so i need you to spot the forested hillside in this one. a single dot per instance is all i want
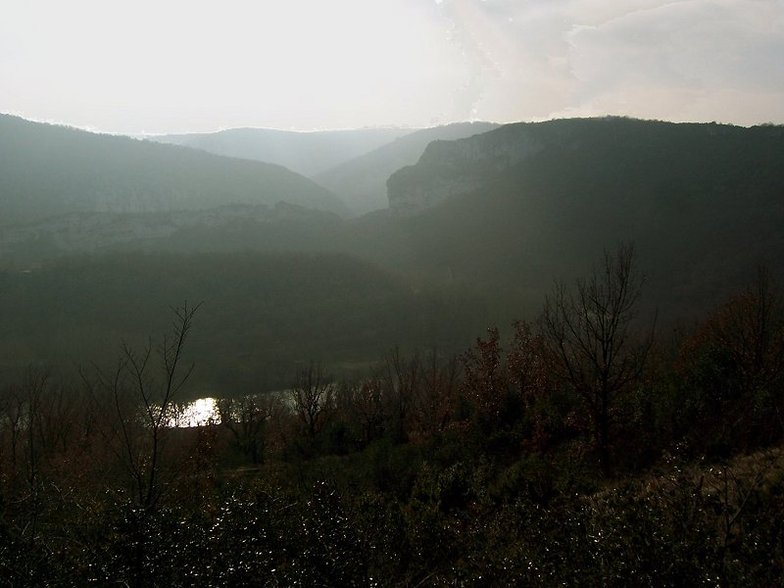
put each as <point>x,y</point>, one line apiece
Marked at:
<point>526,203</point>
<point>47,170</point>
<point>262,315</point>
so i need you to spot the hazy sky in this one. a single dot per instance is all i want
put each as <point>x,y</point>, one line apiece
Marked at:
<point>190,65</point>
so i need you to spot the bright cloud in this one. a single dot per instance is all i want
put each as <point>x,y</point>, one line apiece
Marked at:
<point>186,65</point>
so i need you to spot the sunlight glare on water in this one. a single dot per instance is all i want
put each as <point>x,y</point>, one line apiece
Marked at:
<point>197,413</point>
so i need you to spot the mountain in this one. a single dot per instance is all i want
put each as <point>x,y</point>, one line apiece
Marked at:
<point>517,206</point>
<point>307,153</point>
<point>497,216</point>
<point>48,170</point>
<point>450,167</point>
<point>361,182</point>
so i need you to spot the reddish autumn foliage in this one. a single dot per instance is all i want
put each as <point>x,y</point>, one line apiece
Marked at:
<point>732,368</point>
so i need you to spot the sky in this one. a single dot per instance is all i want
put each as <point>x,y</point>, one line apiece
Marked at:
<point>158,66</point>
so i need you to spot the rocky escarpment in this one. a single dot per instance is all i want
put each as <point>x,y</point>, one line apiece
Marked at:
<point>361,182</point>
<point>450,168</point>
<point>653,153</point>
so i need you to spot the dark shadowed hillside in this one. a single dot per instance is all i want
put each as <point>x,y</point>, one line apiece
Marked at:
<point>47,170</point>
<point>520,205</point>
<point>262,315</point>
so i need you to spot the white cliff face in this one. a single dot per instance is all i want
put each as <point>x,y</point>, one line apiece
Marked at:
<point>498,149</point>
<point>450,168</point>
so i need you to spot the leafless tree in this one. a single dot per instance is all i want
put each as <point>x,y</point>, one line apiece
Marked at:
<point>485,378</point>
<point>246,418</point>
<point>140,394</point>
<point>12,423</point>
<point>750,328</point>
<point>21,459</point>
<point>735,363</point>
<point>363,403</point>
<point>404,378</point>
<point>436,397</point>
<point>313,397</point>
<point>589,331</point>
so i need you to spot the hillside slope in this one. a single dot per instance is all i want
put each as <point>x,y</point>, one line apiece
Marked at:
<point>261,317</point>
<point>307,153</point>
<point>361,182</point>
<point>528,202</point>
<point>47,170</point>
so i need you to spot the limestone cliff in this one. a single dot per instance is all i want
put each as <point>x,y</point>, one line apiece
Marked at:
<point>450,168</point>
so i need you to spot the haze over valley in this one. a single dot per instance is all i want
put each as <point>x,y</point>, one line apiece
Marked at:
<point>486,220</point>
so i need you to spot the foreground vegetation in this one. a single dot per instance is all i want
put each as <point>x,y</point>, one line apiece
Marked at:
<point>580,451</point>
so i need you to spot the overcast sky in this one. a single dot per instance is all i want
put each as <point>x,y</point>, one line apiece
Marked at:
<point>189,65</point>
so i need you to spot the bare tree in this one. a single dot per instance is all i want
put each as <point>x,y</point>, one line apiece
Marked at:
<point>589,332</point>
<point>140,397</point>
<point>246,418</point>
<point>436,398</point>
<point>20,476</point>
<point>485,378</point>
<point>13,416</point>
<point>750,328</point>
<point>363,403</point>
<point>404,379</point>
<point>313,397</point>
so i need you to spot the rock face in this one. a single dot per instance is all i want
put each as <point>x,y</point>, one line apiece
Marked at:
<point>601,145</point>
<point>361,182</point>
<point>451,168</point>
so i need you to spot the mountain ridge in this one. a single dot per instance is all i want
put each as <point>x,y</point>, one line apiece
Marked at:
<point>305,152</point>
<point>702,202</point>
<point>48,170</point>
